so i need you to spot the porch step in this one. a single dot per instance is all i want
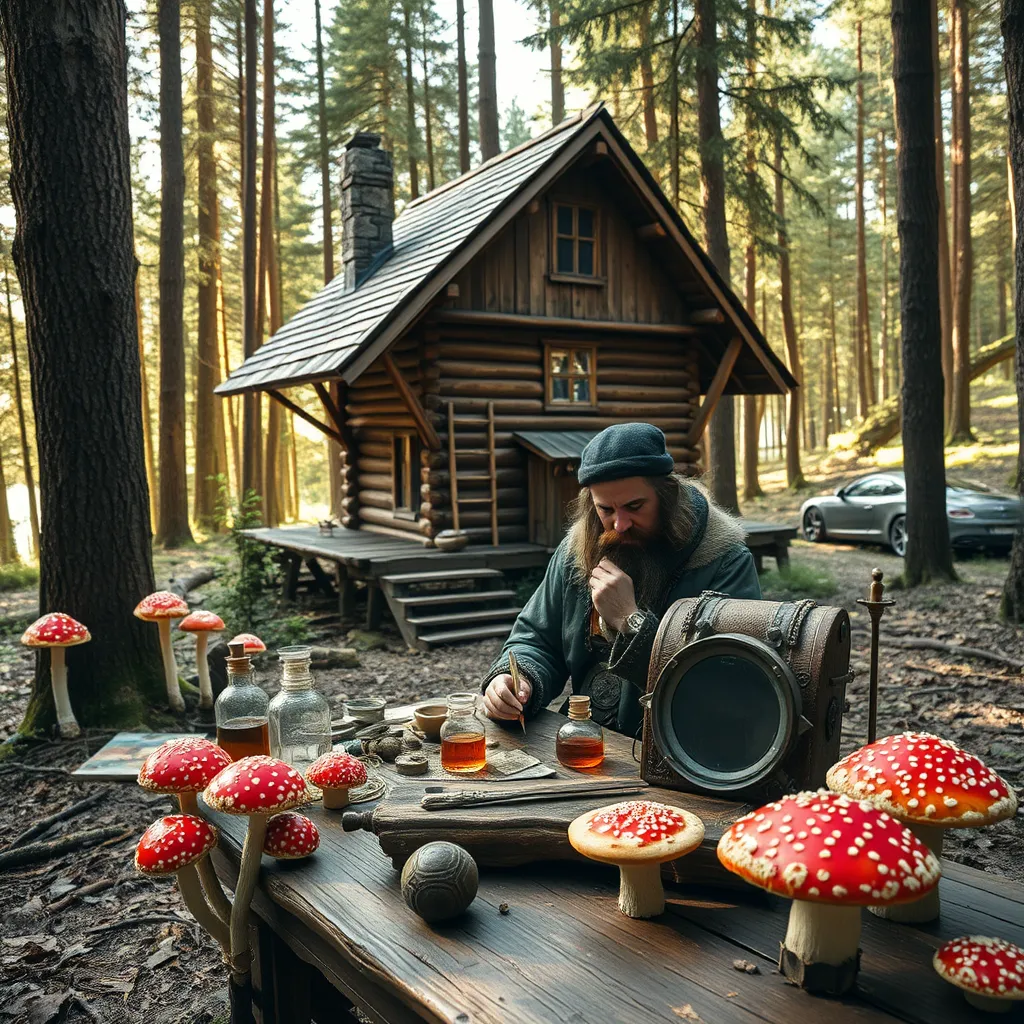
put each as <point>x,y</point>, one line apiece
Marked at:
<point>477,616</point>
<point>458,597</point>
<point>456,635</point>
<point>443,576</point>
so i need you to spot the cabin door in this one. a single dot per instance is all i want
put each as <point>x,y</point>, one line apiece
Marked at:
<point>552,487</point>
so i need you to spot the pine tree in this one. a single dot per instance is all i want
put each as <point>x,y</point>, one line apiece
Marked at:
<point>488,104</point>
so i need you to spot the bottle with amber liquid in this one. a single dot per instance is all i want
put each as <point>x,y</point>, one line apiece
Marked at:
<point>463,740</point>
<point>241,711</point>
<point>580,741</point>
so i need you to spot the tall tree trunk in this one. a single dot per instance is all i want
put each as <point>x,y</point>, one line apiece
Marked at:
<point>411,142</point>
<point>235,461</point>
<point>865,364</point>
<point>557,87</point>
<point>174,529</point>
<point>8,549</point>
<point>960,157</point>
<point>325,154</point>
<point>945,280</point>
<point>647,77</point>
<point>917,213</point>
<point>210,461</point>
<point>19,404</point>
<point>463,87</point>
<point>252,455</point>
<point>147,417</point>
<point>884,369</point>
<point>490,144</point>
<point>673,124</point>
<point>427,124</point>
<point>71,185</point>
<point>1013,61</point>
<point>721,430</point>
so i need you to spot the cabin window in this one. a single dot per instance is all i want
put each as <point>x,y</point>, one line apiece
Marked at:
<point>405,487</point>
<point>575,240</point>
<point>571,375</point>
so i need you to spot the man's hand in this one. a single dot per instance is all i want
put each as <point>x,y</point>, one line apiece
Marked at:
<point>500,700</point>
<point>611,590</point>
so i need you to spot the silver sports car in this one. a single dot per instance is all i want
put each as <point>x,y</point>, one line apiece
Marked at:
<point>873,508</point>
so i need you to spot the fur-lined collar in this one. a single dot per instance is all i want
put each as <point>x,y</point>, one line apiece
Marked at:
<point>722,532</point>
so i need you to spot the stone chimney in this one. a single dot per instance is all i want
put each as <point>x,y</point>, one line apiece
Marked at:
<point>367,205</point>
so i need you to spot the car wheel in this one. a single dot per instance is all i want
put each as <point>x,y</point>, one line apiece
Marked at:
<point>814,525</point>
<point>898,535</point>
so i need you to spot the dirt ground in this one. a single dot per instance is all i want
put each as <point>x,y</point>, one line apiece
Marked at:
<point>84,938</point>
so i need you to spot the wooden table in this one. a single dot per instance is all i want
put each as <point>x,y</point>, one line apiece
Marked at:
<point>771,539</point>
<point>333,932</point>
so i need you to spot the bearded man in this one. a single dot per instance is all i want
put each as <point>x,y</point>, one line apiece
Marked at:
<point>640,537</point>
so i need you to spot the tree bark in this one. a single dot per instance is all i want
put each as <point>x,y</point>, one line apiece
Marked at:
<point>557,87</point>
<point>174,528</point>
<point>960,157</point>
<point>865,367</point>
<point>235,455</point>
<point>71,184</point>
<point>721,430</point>
<point>427,121</point>
<point>945,281</point>
<point>411,142</point>
<point>490,144</point>
<point>647,78</point>
<point>147,416</point>
<point>325,153</point>
<point>883,302</point>
<point>1013,61</point>
<point>252,455</point>
<point>917,212</point>
<point>463,89</point>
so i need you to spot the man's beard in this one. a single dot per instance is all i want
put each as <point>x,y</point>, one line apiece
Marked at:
<point>644,557</point>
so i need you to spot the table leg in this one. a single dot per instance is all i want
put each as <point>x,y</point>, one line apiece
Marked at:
<point>782,555</point>
<point>285,981</point>
<point>758,561</point>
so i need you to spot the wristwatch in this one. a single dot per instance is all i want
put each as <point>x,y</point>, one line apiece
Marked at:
<point>633,623</point>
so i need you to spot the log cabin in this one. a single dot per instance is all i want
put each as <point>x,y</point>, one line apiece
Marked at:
<point>469,348</point>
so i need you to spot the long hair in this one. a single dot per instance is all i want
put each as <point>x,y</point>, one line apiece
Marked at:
<point>676,520</point>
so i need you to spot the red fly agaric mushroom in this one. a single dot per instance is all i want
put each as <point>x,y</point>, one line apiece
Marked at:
<point>990,971</point>
<point>637,836</point>
<point>174,845</point>
<point>831,855</point>
<point>58,631</point>
<point>253,644</point>
<point>930,785</point>
<point>290,836</point>
<point>259,787</point>
<point>160,608</point>
<point>185,767</point>
<point>202,624</point>
<point>336,773</point>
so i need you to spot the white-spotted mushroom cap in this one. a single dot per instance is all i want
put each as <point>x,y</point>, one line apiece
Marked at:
<point>201,622</point>
<point>161,605</point>
<point>290,836</point>
<point>184,765</point>
<point>826,848</point>
<point>174,842</point>
<point>987,967</point>
<point>256,785</point>
<point>336,770</point>
<point>253,644</point>
<point>56,629</point>
<point>923,779</point>
<point>635,831</point>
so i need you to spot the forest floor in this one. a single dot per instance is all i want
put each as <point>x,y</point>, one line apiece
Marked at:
<point>85,938</point>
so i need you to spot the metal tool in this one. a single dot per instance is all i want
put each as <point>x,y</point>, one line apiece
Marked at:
<point>876,606</point>
<point>556,791</point>
<point>513,667</point>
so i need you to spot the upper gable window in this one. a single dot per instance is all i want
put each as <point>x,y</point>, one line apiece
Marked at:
<point>576,238</point>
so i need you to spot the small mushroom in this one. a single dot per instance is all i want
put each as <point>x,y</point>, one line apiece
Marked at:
<point>57,631</point>
<point>253,644</point>
<point>830,855</point>
<point>290,836</point>
<point>174,845</point>
<point>202,624</point>
<point>336,773</point>
<point>160,608</point>
<point>929,784</point>
<point>637,836</point>
<point>990,971</point>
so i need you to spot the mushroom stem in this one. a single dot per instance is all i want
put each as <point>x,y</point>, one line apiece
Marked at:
<point>990,1004</point>
<point>336,799</point>
<point>59,681</point>
<point>203,667</point>
<point>211,884</point>
<point>248,872</point>
<point>823,933</point>
<point>641,893</point>
<point>927,907</point>
<point>192,893</point>
<point>174,698</point>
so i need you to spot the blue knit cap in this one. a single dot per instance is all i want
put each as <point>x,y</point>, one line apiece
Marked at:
<point>624,450</point>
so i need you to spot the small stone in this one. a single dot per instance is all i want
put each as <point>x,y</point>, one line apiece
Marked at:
<point>746,966</point>
<point>491,744</point>
<point>387,748</point>
<point>502,908</point>
<point>411,742</point>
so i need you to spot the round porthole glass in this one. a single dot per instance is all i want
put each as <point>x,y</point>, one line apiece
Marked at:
<point>724,712</point>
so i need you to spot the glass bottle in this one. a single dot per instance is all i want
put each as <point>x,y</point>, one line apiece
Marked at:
<point>463,738</point>
<point>241,709</point>
<point>300,717</point>
<point>580,741</point>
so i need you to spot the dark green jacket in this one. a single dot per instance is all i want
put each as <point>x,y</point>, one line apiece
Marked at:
<point>552,639</point>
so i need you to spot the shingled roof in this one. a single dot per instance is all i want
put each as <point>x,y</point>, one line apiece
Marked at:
<point>339,333</point>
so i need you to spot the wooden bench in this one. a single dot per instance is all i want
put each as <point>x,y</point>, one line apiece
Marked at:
<point>771,539</point>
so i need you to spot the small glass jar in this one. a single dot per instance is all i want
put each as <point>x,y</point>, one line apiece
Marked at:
<point>241,711</point>
<point>300,718</point>
<point>463,736</point>
<point>580,741</point>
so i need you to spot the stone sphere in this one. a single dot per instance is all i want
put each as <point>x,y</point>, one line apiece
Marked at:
<point>439,881</point>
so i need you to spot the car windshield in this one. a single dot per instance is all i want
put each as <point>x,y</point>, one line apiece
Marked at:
<point>960,486</point>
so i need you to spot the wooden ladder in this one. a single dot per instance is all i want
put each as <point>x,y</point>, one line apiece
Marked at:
<point>453,469</point>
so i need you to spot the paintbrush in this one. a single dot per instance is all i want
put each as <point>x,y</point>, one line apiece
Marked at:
<point>513,668</point>
<point>555,791</point>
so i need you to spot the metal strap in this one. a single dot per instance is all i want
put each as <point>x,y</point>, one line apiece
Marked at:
<point>705,625</point>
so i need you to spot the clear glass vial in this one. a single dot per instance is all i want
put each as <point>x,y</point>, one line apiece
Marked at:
<point>580,741</point>
<point>463,736</point>
<point>241,711</point>
<point>300,718</point>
